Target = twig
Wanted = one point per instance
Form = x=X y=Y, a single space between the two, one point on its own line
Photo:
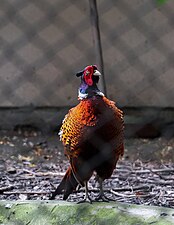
x=132 y=195
x=26 y=192
x=168 y=170
x=44 y=173
x=157 y=182
x=135 y=188
x=122 y=195
x=166 y=177
x=3 y=189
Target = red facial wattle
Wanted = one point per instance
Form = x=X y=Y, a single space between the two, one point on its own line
x=88 y=79
x=88 y=75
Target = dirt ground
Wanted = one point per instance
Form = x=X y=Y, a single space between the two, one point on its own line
x=32 y=165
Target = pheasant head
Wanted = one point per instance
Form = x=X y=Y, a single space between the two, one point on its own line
x=89 y=79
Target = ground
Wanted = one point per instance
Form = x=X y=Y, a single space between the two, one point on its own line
x=32 y=165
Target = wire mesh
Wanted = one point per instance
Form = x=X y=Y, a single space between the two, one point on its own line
x=43 y=43
x=137 y=44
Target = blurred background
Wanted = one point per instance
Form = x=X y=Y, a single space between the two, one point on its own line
x=45 y=42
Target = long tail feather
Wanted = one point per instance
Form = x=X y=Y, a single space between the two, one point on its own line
x=66 y=186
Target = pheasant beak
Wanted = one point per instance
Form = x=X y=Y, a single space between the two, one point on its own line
x=96 y=73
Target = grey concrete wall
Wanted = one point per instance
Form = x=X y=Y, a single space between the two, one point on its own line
x=43 y=44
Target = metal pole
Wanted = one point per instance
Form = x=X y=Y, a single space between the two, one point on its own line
x=97 y=42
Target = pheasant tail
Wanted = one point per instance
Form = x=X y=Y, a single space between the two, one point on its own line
x=67 y=185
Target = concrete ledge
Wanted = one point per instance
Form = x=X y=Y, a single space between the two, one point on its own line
x=40 y=118
x=60 y=212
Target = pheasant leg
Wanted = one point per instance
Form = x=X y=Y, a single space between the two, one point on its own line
x=87 y=197
x=102 y=196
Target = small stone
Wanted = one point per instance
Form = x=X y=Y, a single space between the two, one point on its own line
x=8 y=206
x=163 y=214
x=11 y=170
x=23 y=197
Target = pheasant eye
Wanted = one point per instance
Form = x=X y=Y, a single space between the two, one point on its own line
x=87 y=72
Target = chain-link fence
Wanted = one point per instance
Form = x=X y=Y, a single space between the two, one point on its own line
x=44 y=42
x=137 y=43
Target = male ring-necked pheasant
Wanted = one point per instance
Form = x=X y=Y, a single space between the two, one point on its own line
x=92 y=135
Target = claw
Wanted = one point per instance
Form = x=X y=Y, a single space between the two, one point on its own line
x=101 y=195
x=87 y=198
x=103 y=198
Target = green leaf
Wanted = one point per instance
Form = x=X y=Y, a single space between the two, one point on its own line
x=161 y=2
